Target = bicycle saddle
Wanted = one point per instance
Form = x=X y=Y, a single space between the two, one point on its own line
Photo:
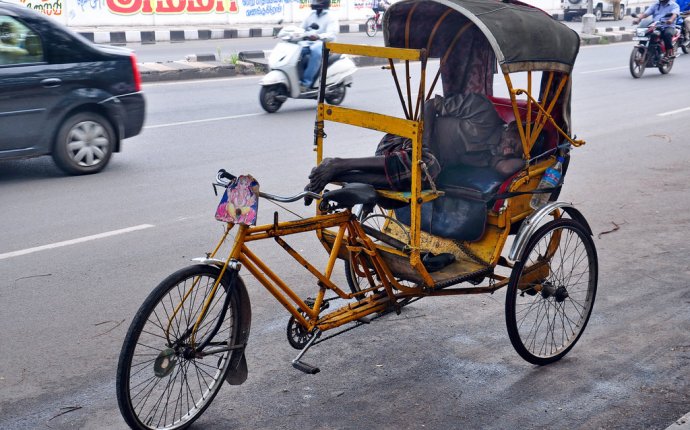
x=351 y=194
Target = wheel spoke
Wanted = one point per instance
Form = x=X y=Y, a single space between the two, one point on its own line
x=546 y=318
x=168 y=386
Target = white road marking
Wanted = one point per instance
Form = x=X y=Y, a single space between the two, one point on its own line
x=602 y=70
x=74 y=241
x=672 y=112
x=197 y=121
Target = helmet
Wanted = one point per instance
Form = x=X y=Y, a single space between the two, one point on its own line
x=663 y=1
x=319 y=5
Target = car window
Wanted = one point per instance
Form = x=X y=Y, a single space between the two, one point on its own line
x=18 y=43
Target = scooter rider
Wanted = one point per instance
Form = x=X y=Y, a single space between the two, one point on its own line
x=658 y=12
x=323 y=26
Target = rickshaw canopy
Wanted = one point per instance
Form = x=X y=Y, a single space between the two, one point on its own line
x=522 y=37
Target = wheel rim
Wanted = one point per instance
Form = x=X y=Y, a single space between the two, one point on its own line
x=269 y=98
x=167 y=386
x=637 y=63
x=553 y=297
x=371 y=27
x=88 y=144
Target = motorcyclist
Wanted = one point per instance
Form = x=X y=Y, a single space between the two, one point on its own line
x=684 y=6
x=658 y=12
x=321 y=26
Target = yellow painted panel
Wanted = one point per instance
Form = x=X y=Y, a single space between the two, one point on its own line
x=405 y=196
x=376 y=51
x=373 y=121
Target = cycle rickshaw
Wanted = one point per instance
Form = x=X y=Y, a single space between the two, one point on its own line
x=190 y=334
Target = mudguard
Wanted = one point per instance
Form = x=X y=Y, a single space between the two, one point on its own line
x=533 y=222
x=275 y=77
x=238 y=363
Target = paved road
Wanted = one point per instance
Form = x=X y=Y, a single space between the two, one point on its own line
x=444 y=363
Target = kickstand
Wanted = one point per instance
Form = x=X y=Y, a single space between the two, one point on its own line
x=300 y=365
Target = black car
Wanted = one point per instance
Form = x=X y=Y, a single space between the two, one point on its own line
x=60 y=94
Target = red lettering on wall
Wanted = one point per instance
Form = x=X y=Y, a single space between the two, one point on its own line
x=126 y=7
x=200 y=5
x=169 y=6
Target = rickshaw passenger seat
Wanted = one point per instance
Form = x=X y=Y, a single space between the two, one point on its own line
x=504 y=108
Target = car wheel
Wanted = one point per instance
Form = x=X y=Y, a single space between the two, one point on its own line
x=621 y=13
x=84 y=144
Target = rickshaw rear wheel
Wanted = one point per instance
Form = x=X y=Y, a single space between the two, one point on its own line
x=638 y=62
x=268 y=97
x=551 y=291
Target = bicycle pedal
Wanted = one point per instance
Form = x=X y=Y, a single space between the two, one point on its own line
x=304 y=367
x=310 y=301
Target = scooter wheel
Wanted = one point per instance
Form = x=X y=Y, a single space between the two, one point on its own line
x=269 y=97
x=336 y=95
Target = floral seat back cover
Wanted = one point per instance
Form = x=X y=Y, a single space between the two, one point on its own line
x=240 y=202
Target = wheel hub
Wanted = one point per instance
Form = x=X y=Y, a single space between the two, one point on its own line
x=165 y=363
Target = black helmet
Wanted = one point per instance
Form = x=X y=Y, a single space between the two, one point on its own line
x=663 y=1
x=319 y=5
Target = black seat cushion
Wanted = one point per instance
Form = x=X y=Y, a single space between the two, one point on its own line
x=461 y=213
x=480 y=183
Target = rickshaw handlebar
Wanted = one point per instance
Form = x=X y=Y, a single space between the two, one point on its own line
x=225 y=178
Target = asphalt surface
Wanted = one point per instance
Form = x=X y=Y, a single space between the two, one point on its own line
x=205 y=65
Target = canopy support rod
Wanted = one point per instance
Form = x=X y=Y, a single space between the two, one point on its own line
x=544 y=96
x=446 y=55
x=397 y=86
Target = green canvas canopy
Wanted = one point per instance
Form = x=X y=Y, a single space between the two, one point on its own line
x=523 y=38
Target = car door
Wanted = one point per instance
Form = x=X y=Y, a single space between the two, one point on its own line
x=27 y=88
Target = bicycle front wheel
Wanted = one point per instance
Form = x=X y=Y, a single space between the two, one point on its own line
x=165 y=380
x=371 y=27
x=551 y=291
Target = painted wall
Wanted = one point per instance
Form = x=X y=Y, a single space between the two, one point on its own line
x=170 y=13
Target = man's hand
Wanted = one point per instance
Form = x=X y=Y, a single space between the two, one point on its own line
x=313 y=37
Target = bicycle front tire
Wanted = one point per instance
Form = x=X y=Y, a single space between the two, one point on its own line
x=371 y=27
x=161 y=383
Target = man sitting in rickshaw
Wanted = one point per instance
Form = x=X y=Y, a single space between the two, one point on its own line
x=458 y=130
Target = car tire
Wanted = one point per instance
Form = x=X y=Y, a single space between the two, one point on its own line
x=84 y=145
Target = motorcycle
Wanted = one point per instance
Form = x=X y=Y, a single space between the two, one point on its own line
x=287 y=64
x=651 y=50
x=684 y=40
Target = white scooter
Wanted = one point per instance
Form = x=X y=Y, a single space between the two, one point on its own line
x=286 y=67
